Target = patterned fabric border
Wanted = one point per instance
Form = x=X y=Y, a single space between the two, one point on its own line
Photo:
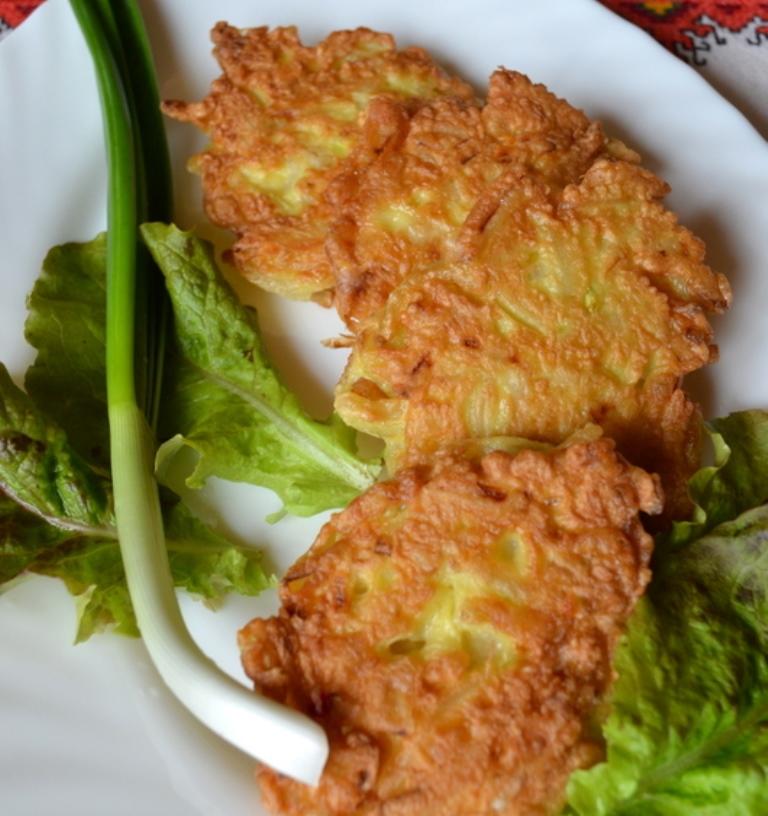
x=677 y=24
x=12 y=12
x=681 y=26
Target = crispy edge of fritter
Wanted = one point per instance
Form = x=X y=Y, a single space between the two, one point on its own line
x=396 y=748
x=387 y=376
x=280 y=251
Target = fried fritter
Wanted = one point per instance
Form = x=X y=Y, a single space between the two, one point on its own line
x=412 y=204
x=453 y=629
x=581 y=305
x=283 y=120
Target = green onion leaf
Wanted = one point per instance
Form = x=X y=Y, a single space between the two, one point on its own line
x=289 y=741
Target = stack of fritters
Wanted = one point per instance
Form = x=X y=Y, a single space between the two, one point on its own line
x=505 y=270
x=574 y=305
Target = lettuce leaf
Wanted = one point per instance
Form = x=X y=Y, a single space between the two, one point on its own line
x=40 y=471
x=66 y=325
x=23 y=538
x=225 y=401
x=687 y=731
x=736 y=481
x=222 y=398
x=56 y=509
x=202 y=562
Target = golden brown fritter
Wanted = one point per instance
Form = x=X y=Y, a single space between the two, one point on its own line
x=453 y=629
x=411 y=205
x=283 y=120
x=586 y=304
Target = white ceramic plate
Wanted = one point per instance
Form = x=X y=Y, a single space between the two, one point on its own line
x=89 y=730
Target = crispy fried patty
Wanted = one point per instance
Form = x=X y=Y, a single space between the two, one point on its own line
x=574 y=305
x=284 y=119
x=412 y=204
x=452 y=630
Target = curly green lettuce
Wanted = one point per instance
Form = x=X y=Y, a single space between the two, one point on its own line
x=687 y=731
x=56 y=503
x=57 y=519
x=224 y=399
x=221 y=397
x=66 y=326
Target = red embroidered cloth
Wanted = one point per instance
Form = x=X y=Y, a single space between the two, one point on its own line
x=681 y=25
x=13 y=12
x=726 y=41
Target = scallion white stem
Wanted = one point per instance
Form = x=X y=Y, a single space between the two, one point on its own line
x=278 y=736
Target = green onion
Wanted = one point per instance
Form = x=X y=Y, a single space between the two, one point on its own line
x=139 y=188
